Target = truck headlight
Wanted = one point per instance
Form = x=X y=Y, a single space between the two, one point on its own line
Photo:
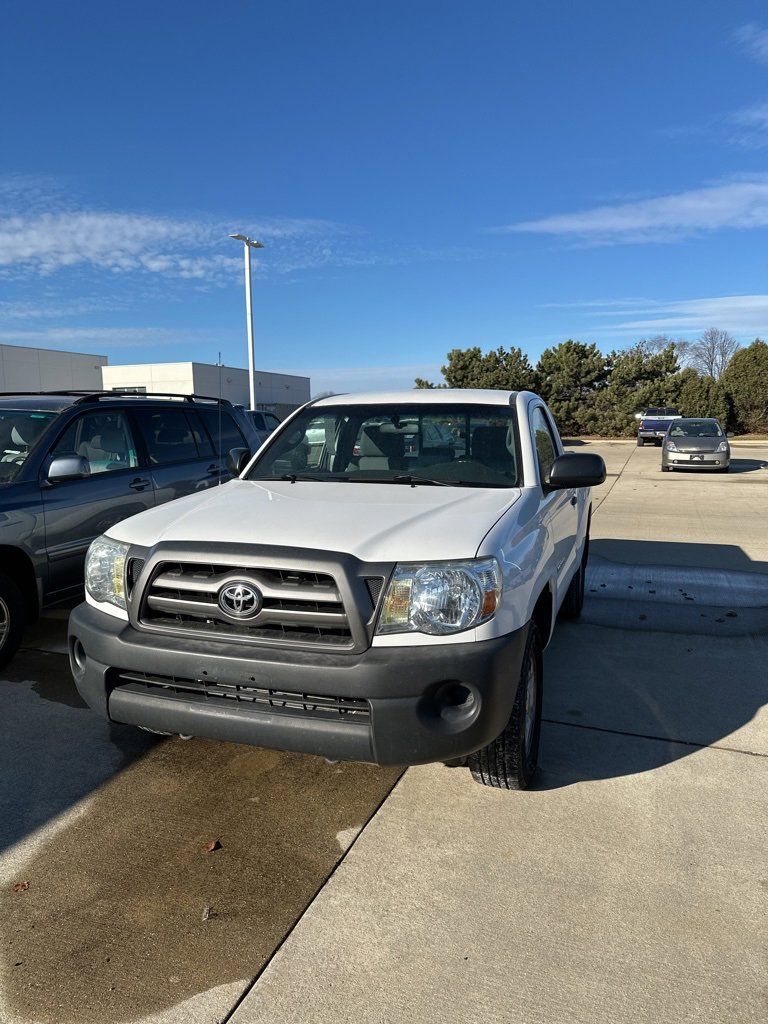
x=105 y=571
x=723 y=446
x=441 y=597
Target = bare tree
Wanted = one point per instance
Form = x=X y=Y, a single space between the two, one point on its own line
x=712 y=352
x=659 y=342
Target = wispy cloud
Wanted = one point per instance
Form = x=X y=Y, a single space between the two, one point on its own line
x=124 y=242
x=742 y=315
x=753 y=40
x=751 y=124
x=732 y=204
x=42 y=232
x=97 y=339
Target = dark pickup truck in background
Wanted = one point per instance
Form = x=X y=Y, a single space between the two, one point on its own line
x=654 y=424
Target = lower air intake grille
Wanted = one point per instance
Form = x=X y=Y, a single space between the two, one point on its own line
x=257 y=697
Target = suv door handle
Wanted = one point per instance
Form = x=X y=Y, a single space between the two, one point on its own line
x=139 y=484
x=574 y=500
x=213 y=468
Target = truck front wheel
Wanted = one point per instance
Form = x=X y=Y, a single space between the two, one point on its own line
x=641 y=442
x=511 y=760
x=12 y=619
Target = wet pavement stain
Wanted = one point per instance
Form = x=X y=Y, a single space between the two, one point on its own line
x=114 y=925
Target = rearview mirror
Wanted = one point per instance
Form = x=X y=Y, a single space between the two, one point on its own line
x=68 y=467
x=577 y=469
x=237 y=460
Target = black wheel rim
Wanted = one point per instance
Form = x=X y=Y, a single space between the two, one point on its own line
x=5 y=623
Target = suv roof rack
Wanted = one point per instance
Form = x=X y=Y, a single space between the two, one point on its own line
x=95 y=396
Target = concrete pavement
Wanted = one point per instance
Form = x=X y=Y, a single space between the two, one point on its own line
x=631 y=885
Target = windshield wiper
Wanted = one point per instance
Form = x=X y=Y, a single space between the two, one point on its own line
x=410 y=478
x=293 y=477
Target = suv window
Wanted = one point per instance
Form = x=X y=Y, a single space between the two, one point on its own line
x=103 y=438
x=20 y=430
x=170 y=436
x=272 y=421
x=546 y=449
x=231 y=437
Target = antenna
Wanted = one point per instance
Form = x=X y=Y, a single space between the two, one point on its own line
x=221 y=454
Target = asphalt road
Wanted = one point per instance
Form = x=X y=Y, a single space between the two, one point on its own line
x=631 y=885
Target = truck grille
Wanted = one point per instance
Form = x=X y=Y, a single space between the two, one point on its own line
x=257 y=697
x=297 y=606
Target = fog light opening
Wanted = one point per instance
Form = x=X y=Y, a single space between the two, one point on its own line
x=78 y=656
x=456 y=701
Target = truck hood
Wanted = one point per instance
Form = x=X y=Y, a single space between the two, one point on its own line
x=374 y=522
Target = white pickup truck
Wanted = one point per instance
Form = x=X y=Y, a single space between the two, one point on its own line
x=359 y=592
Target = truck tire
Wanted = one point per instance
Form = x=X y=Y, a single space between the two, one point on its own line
x=12 y=619
x=641 y=442
x=510 y=761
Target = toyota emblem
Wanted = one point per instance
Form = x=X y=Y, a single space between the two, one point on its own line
x=240 y=600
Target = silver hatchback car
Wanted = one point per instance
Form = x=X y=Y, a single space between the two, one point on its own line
x=695 y=444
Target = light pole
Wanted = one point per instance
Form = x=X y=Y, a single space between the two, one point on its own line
x=248 y=244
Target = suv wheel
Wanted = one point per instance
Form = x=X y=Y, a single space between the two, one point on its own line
x=12 y=619
x=511 y=760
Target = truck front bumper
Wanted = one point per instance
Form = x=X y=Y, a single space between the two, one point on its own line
x=387 y=705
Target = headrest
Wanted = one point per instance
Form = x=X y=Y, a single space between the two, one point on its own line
x=108 y=441
x=490 y=444
x=171 y=435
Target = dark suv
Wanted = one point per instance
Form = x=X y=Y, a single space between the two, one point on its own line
x=72 y=464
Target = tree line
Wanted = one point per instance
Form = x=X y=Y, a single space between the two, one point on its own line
x=590 y=392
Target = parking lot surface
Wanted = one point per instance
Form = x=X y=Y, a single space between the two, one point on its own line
x=631 y=885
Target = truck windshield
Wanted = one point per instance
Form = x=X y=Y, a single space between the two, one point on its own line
x=20 y=430
x=443 y=445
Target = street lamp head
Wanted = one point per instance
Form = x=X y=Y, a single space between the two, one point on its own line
x=248 y=241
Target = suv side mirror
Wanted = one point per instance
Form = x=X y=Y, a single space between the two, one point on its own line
x=68 y=467
x=577 y=469
x=237 y=460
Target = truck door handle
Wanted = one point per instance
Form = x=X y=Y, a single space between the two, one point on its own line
x=139 y=484
x=574 y=500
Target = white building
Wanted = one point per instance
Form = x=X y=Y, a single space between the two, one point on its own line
x=277 y=392
x=44 y=369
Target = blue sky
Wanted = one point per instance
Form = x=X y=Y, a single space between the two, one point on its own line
x=423 y=175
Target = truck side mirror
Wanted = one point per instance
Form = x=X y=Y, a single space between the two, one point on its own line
x=577 y=469
x=237 y=460
x=68 y=467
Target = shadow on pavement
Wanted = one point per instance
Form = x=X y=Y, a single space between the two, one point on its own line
x=674 y=655
x=55 y=750
x=747 y=465
x=675 y=552
x=112 y=926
